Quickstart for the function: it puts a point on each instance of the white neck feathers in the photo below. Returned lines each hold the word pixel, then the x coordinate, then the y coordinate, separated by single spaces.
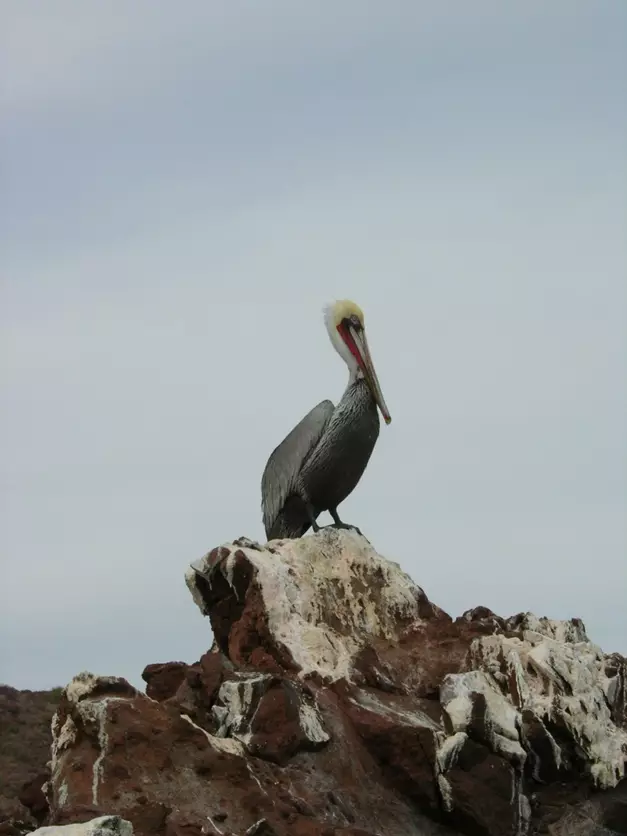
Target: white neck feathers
pixel 330 320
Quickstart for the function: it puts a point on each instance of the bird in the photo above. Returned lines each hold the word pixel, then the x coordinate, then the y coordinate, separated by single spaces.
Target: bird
pixel 323 458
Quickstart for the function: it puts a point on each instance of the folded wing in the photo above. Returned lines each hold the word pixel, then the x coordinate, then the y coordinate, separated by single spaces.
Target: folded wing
pixel 280 477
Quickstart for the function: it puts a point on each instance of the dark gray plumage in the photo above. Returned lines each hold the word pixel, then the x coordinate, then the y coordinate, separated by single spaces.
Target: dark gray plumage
pixel 323 458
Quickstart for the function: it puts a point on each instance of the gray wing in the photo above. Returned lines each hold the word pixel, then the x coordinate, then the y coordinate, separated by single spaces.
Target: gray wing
pixel 284 465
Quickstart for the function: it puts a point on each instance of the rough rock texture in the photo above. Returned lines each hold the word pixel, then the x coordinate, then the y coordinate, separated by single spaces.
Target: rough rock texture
pixel 25 739
pixel 338 700
pixel 101 826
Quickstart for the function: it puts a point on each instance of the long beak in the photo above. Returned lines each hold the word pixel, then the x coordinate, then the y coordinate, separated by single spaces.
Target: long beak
pixel 367 367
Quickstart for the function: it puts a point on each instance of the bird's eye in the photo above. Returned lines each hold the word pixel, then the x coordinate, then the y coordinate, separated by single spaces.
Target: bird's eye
pixel 355 322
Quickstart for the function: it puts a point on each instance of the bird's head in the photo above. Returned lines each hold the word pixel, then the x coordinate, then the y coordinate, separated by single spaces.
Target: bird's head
pixel 345 324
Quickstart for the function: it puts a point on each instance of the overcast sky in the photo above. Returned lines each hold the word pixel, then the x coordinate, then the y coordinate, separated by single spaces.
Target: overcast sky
pixel 186 185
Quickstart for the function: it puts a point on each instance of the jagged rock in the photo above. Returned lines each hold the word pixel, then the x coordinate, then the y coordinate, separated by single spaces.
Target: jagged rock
pixel 272 717
pixel 25 738
pixel 14 825
pixel 163 681
pixel 32 796
pixel 337 699
pixel 102 826
pixel 308 609
pixel 116 749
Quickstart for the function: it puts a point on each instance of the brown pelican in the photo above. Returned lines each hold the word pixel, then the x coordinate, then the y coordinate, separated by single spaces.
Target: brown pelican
pixel 321 461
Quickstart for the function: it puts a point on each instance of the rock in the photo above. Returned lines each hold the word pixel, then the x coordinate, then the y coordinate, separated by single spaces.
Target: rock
pixel 102 826
pixel 15 826
pixel 25 738
pixel 337 699
pixel 33 798
pixel 272 717
pixel 308 608
pixel 163 681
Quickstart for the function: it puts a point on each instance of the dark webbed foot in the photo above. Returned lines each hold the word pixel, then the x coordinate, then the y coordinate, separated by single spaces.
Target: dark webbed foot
pixel 337 522
pixel 347 527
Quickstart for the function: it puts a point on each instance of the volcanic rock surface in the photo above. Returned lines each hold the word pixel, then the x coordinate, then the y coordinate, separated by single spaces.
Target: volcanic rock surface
pixel 337 700
pixel 25 739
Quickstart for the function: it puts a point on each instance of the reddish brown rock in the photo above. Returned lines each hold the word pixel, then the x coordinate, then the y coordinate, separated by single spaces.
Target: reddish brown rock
pixel 402 738
pixel 25 738
pixel 33 798
pixel 338 700
pixel 484 792
pixel 121 752
pixel 163 680
pixel 273 717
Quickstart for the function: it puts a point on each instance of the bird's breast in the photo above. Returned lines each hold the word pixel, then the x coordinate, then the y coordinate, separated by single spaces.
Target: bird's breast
pixel 340 458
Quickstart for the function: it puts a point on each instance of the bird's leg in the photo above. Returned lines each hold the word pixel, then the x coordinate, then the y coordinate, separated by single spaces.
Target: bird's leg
pixel 336 518
pixel 337 522
pixel 312 516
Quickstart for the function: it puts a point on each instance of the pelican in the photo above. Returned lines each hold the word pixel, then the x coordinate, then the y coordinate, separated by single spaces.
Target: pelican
pixel 321 461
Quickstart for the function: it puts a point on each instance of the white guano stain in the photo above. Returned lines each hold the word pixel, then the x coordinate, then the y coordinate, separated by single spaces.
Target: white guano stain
pixel 304 581
pixel 227 745
pixel 311 724
pixel 95 711
pixel 563 678
pixel 214 825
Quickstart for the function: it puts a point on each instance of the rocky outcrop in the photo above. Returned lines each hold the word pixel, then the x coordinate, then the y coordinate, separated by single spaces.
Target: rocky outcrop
pixel 25 739
pixel 337 699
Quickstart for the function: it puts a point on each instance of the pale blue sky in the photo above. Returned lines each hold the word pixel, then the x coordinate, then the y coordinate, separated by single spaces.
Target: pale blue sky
pixel 185 186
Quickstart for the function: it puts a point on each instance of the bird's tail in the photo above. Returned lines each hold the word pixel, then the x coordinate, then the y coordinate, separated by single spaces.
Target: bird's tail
pixel 285 530
pixel 291 522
